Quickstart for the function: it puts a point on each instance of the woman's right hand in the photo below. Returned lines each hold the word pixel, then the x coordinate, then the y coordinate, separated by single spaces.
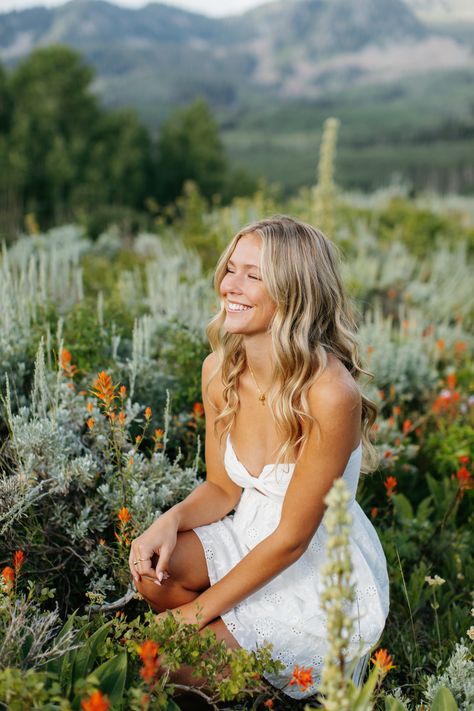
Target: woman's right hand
pixel 151 551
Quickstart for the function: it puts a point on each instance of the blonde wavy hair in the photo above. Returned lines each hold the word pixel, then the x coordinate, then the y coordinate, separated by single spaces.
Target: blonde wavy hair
pixel 313 317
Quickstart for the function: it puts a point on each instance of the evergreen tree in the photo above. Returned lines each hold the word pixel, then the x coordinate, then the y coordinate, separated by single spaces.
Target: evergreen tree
pixel 190 148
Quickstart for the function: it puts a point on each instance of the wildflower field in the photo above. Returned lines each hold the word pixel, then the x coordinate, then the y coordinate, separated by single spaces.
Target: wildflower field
pixel 101 344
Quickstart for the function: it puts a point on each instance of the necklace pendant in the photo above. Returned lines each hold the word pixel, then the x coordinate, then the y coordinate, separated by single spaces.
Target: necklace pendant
pixel 262 398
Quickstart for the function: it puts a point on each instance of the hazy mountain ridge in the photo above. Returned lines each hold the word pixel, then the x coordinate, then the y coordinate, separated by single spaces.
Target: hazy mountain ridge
pixel 289 48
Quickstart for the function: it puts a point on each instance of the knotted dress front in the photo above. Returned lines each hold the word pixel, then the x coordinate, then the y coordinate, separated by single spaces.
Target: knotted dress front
pixel 286 611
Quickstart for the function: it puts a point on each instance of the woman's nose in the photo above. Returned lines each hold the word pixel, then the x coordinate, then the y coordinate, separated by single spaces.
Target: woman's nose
pixel 232 282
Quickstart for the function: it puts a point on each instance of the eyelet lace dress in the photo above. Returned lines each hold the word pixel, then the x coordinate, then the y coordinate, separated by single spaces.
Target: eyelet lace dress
pixel 286 611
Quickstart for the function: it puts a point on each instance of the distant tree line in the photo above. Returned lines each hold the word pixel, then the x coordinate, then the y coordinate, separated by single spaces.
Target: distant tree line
pixel 63 155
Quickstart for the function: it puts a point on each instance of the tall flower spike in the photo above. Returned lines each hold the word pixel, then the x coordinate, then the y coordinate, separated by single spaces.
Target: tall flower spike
pixel 336 599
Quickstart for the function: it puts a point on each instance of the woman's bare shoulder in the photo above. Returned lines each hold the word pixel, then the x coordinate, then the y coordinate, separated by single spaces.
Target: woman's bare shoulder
pixel 334 387
pixel 211 379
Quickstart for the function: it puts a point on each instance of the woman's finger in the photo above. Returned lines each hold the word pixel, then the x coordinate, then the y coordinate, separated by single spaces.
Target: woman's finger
pixel 133 565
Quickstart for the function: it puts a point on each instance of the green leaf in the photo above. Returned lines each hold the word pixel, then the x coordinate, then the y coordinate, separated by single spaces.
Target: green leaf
pixel 111 675
pixel 393 704
pixel 425 509
pixel 444 701
pixel 403 508
pixel 87 655
pixel 172 706
pixel 54 666
pixel 361 696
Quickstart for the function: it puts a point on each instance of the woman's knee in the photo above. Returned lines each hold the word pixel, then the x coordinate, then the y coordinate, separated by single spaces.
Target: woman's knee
pixel 187 572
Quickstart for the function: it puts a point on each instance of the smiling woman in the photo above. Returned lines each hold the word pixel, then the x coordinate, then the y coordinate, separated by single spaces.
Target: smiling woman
pixel 285 418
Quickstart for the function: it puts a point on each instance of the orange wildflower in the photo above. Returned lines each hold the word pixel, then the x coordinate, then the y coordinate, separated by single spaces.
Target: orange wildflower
pixel 440 344
pixel 373 511
pixel 198 410
pixel 397 442
pixel 268 704
pixel 148 413
pixel 451 378
pixel 459 347
pixel 407 425
pixel 138 439
pixel 122 417
pixel 383 661
pixel 464 459
pixel 149 655
pixel 124 516
pixel 65 360
pixel 396 410
pixel 8 576
pixel 89 407
pixel 96 702
pixel 382 394
pixel 391 421
pixel 18 560
pixel 464 478
pixel 104 389
pixel 390 483
pixel 303 677
pixel 90 423
pixel 387 454
pixel 122 391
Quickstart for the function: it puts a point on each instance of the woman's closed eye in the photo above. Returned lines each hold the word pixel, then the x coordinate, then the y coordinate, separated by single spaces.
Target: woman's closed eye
pixel 250 276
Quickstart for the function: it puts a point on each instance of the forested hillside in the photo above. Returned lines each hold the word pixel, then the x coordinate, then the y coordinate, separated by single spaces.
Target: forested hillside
pixel 272 75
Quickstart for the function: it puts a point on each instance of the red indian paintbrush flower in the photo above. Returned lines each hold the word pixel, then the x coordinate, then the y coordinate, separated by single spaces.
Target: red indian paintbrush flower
pixel 303 677
pixel 18 560
pixel 65 360
pixel 8 577
pixel 96 702
pixel 148 652
pixel 124 516
pixel 383 661
pixel 390 483
pixel 198 410
pixel 104 389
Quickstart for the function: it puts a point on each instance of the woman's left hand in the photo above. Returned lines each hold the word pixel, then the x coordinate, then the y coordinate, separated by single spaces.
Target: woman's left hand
pixel 187 613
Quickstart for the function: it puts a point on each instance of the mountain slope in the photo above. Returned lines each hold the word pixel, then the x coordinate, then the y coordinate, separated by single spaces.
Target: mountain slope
pixel 298 48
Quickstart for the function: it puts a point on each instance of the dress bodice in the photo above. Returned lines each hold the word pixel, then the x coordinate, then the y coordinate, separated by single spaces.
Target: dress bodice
pixel 273 481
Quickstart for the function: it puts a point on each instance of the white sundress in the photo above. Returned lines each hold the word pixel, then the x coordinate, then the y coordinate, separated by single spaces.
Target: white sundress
pixel 286 611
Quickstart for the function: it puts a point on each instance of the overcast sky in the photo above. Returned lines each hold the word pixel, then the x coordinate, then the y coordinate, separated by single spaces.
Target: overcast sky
pixel 207 7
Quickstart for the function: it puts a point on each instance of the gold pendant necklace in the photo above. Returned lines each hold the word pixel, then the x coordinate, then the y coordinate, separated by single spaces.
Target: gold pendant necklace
pixel 262 395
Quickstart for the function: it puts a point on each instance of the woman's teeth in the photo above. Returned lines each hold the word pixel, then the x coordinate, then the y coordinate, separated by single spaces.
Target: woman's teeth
pixel 237 307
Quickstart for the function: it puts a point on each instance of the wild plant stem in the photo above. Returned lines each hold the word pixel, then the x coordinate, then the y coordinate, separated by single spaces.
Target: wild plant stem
pixel 409 607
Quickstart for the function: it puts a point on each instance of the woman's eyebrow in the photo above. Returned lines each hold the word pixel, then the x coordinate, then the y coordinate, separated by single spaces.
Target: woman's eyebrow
pixel 251 266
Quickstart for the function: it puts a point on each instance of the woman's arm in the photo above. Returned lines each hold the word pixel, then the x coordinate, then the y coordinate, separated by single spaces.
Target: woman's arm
pixel 336 406
pixel 208 502
pixel 218 495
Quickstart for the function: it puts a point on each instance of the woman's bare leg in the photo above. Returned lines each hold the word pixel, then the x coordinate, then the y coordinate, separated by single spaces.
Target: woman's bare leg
pixel 188 576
